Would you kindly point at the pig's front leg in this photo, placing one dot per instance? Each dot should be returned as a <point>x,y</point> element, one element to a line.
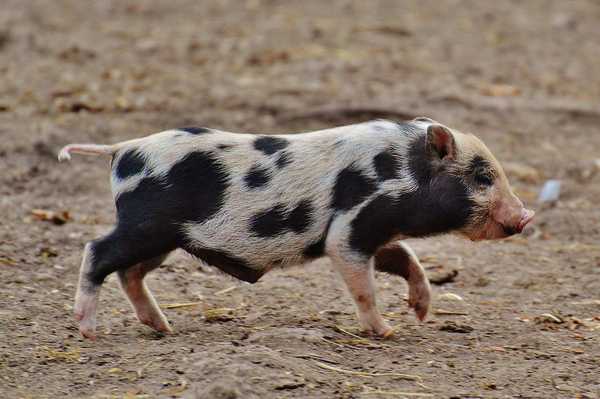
<point>359,278</point>
<point>397,258</point>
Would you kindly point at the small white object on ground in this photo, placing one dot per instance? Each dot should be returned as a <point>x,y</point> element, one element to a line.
<point>550,192</point>
<point>448,296</point>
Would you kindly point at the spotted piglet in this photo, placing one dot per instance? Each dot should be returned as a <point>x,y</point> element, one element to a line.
<point>249,203</point>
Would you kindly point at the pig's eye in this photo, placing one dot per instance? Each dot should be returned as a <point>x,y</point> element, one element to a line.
<point>483,178</point>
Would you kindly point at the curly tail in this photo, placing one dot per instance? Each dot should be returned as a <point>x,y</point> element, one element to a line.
<point>89,149</point>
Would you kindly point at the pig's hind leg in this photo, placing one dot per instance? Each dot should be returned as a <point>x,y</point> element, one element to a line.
<point>140,297</point>
<point>399,259</point>
<point>119,250</point>
<point>86,298</point>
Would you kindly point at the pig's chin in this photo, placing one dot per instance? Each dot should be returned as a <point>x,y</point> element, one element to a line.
<point>491,230</point>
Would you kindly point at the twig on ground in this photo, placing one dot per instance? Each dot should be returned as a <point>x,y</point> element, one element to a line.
<point>226,290</point>
<point>180,305</point>
<point>340,329</point>
<point>340,345</point>
<point>370,375</point>
<point>442,312</point>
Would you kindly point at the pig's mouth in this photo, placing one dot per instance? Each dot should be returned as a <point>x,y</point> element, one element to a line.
<point>510,230</point>
<point>493,229</point>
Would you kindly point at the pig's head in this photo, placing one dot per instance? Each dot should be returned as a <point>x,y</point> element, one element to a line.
<point>494,211</point>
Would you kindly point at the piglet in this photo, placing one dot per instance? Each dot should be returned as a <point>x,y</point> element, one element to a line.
<point>248,203</point>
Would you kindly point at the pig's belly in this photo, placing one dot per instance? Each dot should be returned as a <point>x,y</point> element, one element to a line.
<point>276,242</point>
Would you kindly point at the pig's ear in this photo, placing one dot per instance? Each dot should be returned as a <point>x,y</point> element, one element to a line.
<point>440,142</point>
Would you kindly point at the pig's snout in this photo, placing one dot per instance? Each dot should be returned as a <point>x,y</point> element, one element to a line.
<point>526,217</point>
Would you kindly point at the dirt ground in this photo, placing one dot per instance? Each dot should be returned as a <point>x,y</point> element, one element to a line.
<point>524,76</point>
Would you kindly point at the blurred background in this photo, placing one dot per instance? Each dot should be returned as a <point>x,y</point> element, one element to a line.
<point>524,76</point>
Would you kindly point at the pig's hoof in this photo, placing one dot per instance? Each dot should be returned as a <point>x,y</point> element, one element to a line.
<point>157,324</point>
<point>388,334</point>
<point>162,327</point>
<point>87,324</point>
<point>418,299</point>
<point>421,311</point>
<point>383,330</point>
<point>88,334</point>
<point>88,330</point>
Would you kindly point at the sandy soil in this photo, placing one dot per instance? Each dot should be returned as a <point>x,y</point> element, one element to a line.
<point>524,76</point>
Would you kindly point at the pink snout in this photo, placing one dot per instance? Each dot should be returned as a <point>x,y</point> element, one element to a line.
<point>506,220</point>
<point>526,217</point>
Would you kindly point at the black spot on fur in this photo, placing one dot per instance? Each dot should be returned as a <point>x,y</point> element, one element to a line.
<point>150,216</point>
<point>129,164</point>
<point>441,206</point>
<point>224,147</point>
<point>199,180</point>
<point>393,260</point>
<point>125,247</point>
<point>351,188</point>
<point>269,223</point>
<point>276,220</point>
<point>301,217</point>
<point>230,264</point>
<point>195,130</point>
<point>270,145</point>
<point>257,177</point>
<point>419,161</point>
<point>317,249</point>
<point>386,165</point>
<point>192,191</point>
<point>283,160</point>
<point>374,225</point>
